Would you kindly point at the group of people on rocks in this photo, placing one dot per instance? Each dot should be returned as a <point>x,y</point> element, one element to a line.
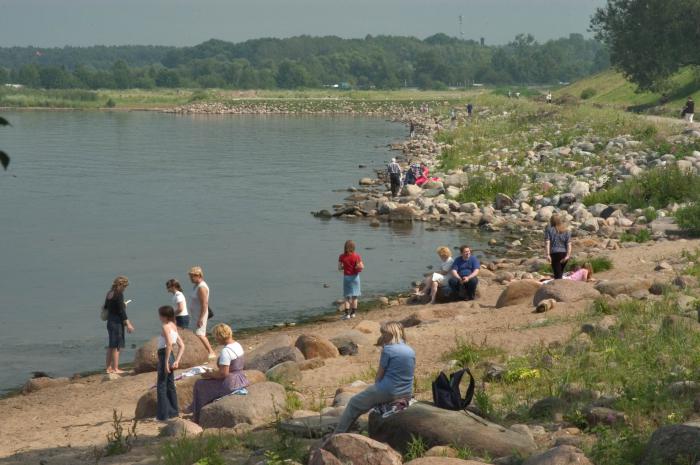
<point>417,173</point>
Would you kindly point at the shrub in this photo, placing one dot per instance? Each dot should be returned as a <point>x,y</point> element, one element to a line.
<point>187,450</point>
<point>587,93</point>
<point>468,354</point>
<point>415,449</point>
<point>688,218</point>
<point>642,236</point>
<point>111,103</point>
<point>481,189</point>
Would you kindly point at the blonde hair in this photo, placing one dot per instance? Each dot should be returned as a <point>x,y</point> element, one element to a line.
<point>557,222</point>
<point>222,332</point>
<point>588,267</point>
<point>196,271</point>
<point>444,251</point>
<point>119,283</point>
<point>392,333</point>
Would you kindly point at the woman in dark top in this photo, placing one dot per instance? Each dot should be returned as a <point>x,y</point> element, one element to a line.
<point>116,321</point>
<point>557,243</point>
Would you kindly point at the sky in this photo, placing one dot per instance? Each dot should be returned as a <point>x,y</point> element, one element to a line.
<point>55,23</point>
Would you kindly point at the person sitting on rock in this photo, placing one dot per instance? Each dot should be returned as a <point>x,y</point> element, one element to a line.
<point>464,274</point>
<point>394,378</point>
<point>440,278</point>
<point>227,379</point>
<point>410,177</point>
<point>423,173</point>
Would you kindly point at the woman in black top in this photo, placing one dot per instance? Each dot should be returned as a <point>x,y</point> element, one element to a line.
<point>116,321</point>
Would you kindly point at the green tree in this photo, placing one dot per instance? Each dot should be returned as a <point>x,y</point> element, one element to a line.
<point>167,78</point>
<point>292,74</point>
<point>649,40</point>
<point>121,75</point>
<point>28,75</point>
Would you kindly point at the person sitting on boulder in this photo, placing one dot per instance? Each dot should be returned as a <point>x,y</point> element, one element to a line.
<point>464,274</point>
<point>227,379</point>
<point>412,174</point>
<point>439,279</point>
<point>394,378</point>
<point>423,173</point>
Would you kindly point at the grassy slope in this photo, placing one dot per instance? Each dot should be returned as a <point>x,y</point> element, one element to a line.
<point>613,89</point>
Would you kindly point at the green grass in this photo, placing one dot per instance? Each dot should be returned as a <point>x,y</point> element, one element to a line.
<point>656,188</point>
<point>642,236</point>
<point>415,449</point>
<point>481,189</point>
<point>187,450</point>
<point>469,355</point>
<point>599,264</point>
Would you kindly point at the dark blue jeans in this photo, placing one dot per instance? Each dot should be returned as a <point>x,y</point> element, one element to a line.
<point>182,321</point>
<point>165,389</point>
<point>466,291</point>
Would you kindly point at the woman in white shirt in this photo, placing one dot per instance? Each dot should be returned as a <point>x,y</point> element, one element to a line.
<point>182,318</point>
<point>438,279</point>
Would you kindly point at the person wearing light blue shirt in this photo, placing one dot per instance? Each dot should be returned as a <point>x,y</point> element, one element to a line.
<point>394,378</point>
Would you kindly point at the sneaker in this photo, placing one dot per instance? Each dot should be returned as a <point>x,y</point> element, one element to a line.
<point>352,315</point>
<point>346,317</point>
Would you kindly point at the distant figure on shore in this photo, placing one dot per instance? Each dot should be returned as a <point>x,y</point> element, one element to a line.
<point>182,318</point>
<point>166,396</point>
<point>393,169</point>
<point>517,95</point>
<point>470,109</point>
<point>350,263</point>
<point>689,110</point>
<point>412,129</point>
<point>394,378</point>
<point>227,379</point>
<point>199,303</point>
<point>557,243</point>
<point>465,269</point>
<point>439,279</point>
<point>117,320</point>
<point>509,94</point>
<point>581,273</point>
<point>412,174</point>
<point>548,98</point>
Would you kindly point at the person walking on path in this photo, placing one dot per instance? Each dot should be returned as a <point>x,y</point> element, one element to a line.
<point>166,396</point>
<point>350,263</point>
<point>117,321</point>
<point>689,110</point>
<point>548,98</point>
<point>465,270</point>
<point>394,379</point>
<point>470,109</point>
<point>393,169</point>
<point>227,379</point>
<point>557,243</point>
<point>182,318</point>
<point>199,303</point>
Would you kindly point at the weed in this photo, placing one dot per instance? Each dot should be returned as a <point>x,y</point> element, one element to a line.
<point>650,214</point>
<point>482,189</point>
<point>483,403</point>
<point>468,354</point>
<point>642,236</point>
<point>292,402</point>
<point>688,218</point>
<point>187,450</point>
<point>415,449</point>
<point>117,441</point>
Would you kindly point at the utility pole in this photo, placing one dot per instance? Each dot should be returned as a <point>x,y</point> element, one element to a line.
<point>461,31</point>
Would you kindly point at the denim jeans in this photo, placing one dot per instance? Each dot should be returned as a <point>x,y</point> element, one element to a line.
<point>165,389</point>
<point>182,321</point>
<point>362,403</point>
<point>469,287</point>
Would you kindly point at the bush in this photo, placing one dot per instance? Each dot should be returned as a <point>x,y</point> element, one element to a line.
<point>655,188</point>
<point>111,103</point>
<point>481,189</point>
<point>588,93</point>
<point>187,450</point>
<point>642,236</point>
<point>688,218</point>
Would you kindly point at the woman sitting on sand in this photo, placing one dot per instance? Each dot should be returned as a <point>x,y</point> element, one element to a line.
<point>581,273</point>
<point>166,396</point>
<point>394,378</point>
<point>227,379</point>
<point>116,322</point>
<point>440,278</point>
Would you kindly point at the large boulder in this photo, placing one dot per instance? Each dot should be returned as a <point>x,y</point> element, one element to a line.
<point>402,213</point>
<point>561,455</point>
<point>177,427</point>
<point>146,358</point>
<point>442,461</point>
<point>673,444</point>
<point>518,292</point>
<point>257,408</point>
<point>286,373</point>
<point>629,286</point>
<point>313,346</point>
<point>439,427</point>
<point>273,352</point>
<point>565,290</point>
<point>146,406</point>
<point>323,457</point>
<point>360,450</point>
<point>43,382</point>
<point>352,336</point>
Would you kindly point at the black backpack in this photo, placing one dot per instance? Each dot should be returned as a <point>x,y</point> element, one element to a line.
<point>446,392</point>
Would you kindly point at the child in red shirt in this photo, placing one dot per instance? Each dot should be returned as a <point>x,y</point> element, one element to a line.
<point>350,263</point>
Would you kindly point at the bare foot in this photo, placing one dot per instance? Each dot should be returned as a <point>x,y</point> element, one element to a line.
<point>109,370</point>
<point>212,356</point>
<point>118,371</point>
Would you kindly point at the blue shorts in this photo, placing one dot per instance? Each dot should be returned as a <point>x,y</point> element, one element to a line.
<point>182,321</point>
<point>351,286</point>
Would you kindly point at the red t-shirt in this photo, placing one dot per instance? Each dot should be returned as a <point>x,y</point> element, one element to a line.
<point>350,262</point>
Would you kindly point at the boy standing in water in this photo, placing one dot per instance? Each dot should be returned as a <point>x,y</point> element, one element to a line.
<point>350,263</point>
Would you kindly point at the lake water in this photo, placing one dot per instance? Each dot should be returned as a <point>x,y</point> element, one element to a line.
<point>92,195</point>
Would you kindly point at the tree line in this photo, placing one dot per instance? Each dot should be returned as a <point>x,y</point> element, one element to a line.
<point>384,62</point>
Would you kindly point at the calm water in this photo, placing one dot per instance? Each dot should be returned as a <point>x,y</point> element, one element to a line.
<point>147,195</point>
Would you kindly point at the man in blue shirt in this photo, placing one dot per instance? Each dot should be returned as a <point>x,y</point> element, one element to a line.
<point>465,268</point>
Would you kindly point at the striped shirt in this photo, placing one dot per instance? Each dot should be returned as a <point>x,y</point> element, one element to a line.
<point>393,168</point>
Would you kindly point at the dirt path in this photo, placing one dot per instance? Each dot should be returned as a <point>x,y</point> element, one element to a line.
<point>62,425</point>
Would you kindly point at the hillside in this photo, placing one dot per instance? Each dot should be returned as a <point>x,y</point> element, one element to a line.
<point>611,88</point>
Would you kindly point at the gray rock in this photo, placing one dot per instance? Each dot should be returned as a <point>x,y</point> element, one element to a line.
<point>262,359</point>
<point>502,201</point>
<point>673,444</point>
<point>257,408</point>
<point>177,427</point>
<point>439,427</point>
<point>315,426</point>
<point>565,290</point>
<point>286,373</point>
<point>560,455</point>
<point>550,408</point>
<point>518,292</point>
<point>604,416</point>
<point>411,190</point>
<point>615,287</point>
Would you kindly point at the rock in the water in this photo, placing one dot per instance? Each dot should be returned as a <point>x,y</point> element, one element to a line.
<point>357,449</point>
<point>257,408</point>
<point>177,427</point>
<point>561,455</point>
<point>43,382</point>
<point>518,292</point>
<point>146,358</point>
<point>402,213</point>
<point>273,353</point>
<point>673,444</point>
<point>313,346</point>
<point>439,427</point>
<point>629,286</point>
<point>286,373</point>
<point>565,290</point>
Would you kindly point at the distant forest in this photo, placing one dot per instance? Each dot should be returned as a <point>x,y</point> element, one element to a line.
<point>383,62</point>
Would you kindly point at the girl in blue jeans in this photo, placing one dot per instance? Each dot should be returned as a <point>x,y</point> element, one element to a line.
<point>394,378</point>
<point>165,388</point>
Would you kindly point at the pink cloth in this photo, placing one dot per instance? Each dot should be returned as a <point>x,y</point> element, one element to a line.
<point>578,275</point>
